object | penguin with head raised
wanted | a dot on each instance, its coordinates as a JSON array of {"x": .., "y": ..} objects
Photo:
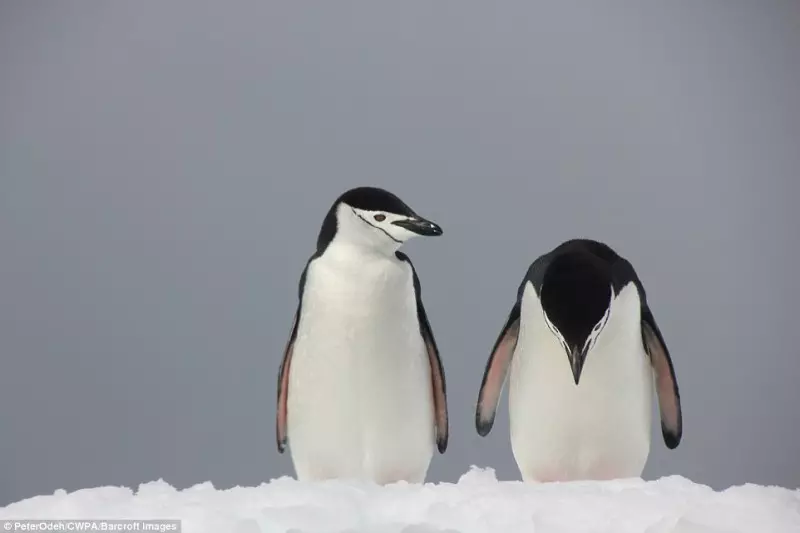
[
  {"x": 361, "y": 388},
  {"x": 583, "y": 354}
]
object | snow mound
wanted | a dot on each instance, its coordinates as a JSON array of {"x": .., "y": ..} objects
[{"x": 476, "y": 503}]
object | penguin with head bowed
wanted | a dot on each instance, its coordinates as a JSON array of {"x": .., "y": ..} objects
[
  {"x": 361, "y": 388},
  {"x": 583, "y": 355}
]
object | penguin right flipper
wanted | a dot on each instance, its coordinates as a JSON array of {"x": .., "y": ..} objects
[
  {"x": 283, "y": 372},
  {"x": 283, "y": 387},
  {"x": 494, "y": 376}
]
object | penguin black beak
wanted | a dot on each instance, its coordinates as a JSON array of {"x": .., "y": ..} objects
[
  {"x": 420, "y": 226},
  {"x": 577, "y": 356}
]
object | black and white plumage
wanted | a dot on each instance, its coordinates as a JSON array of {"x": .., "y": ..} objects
[
  {"x": 361, "y": 389},
  {"x": 584, "y": 354}
]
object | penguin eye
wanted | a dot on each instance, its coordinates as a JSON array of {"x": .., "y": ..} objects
[{"x": 379, "y": 217}]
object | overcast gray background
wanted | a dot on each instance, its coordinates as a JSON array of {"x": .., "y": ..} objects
[{"x": 165, "y": 166}]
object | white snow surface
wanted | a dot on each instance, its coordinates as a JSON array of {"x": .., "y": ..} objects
[{"x": 478, "y": 502}]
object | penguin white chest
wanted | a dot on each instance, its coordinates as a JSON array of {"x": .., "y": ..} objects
[
  {"x": 360, "y": 396},
  {"x": 598, "y": 429}
]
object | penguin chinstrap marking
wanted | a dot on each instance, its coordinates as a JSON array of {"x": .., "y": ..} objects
[
  {"x": 361, "y": 389},
  {"x": 584, "y": 354}
]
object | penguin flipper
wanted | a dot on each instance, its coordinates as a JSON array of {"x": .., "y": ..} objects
[
  {"x": 494, "y": 376},
  {"x": 283, "y": 388},
  {"x": 669, "y": 398},
  {"x": 438, "y": 385},
  {"x": 438, "y": 382}
]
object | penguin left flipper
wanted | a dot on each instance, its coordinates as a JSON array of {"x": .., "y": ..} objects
[
  {"x": 669, "y": 398},
  {"x": 438, "y": 382},
  {"x": 494, "y": 376}
]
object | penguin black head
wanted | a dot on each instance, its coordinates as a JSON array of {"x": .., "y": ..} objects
[
  {"x": 373, "y": 217},
  {"x": 576, "y": 290}
]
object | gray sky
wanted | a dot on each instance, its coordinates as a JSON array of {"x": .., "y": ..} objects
[{"x": 164, "y": 168}]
